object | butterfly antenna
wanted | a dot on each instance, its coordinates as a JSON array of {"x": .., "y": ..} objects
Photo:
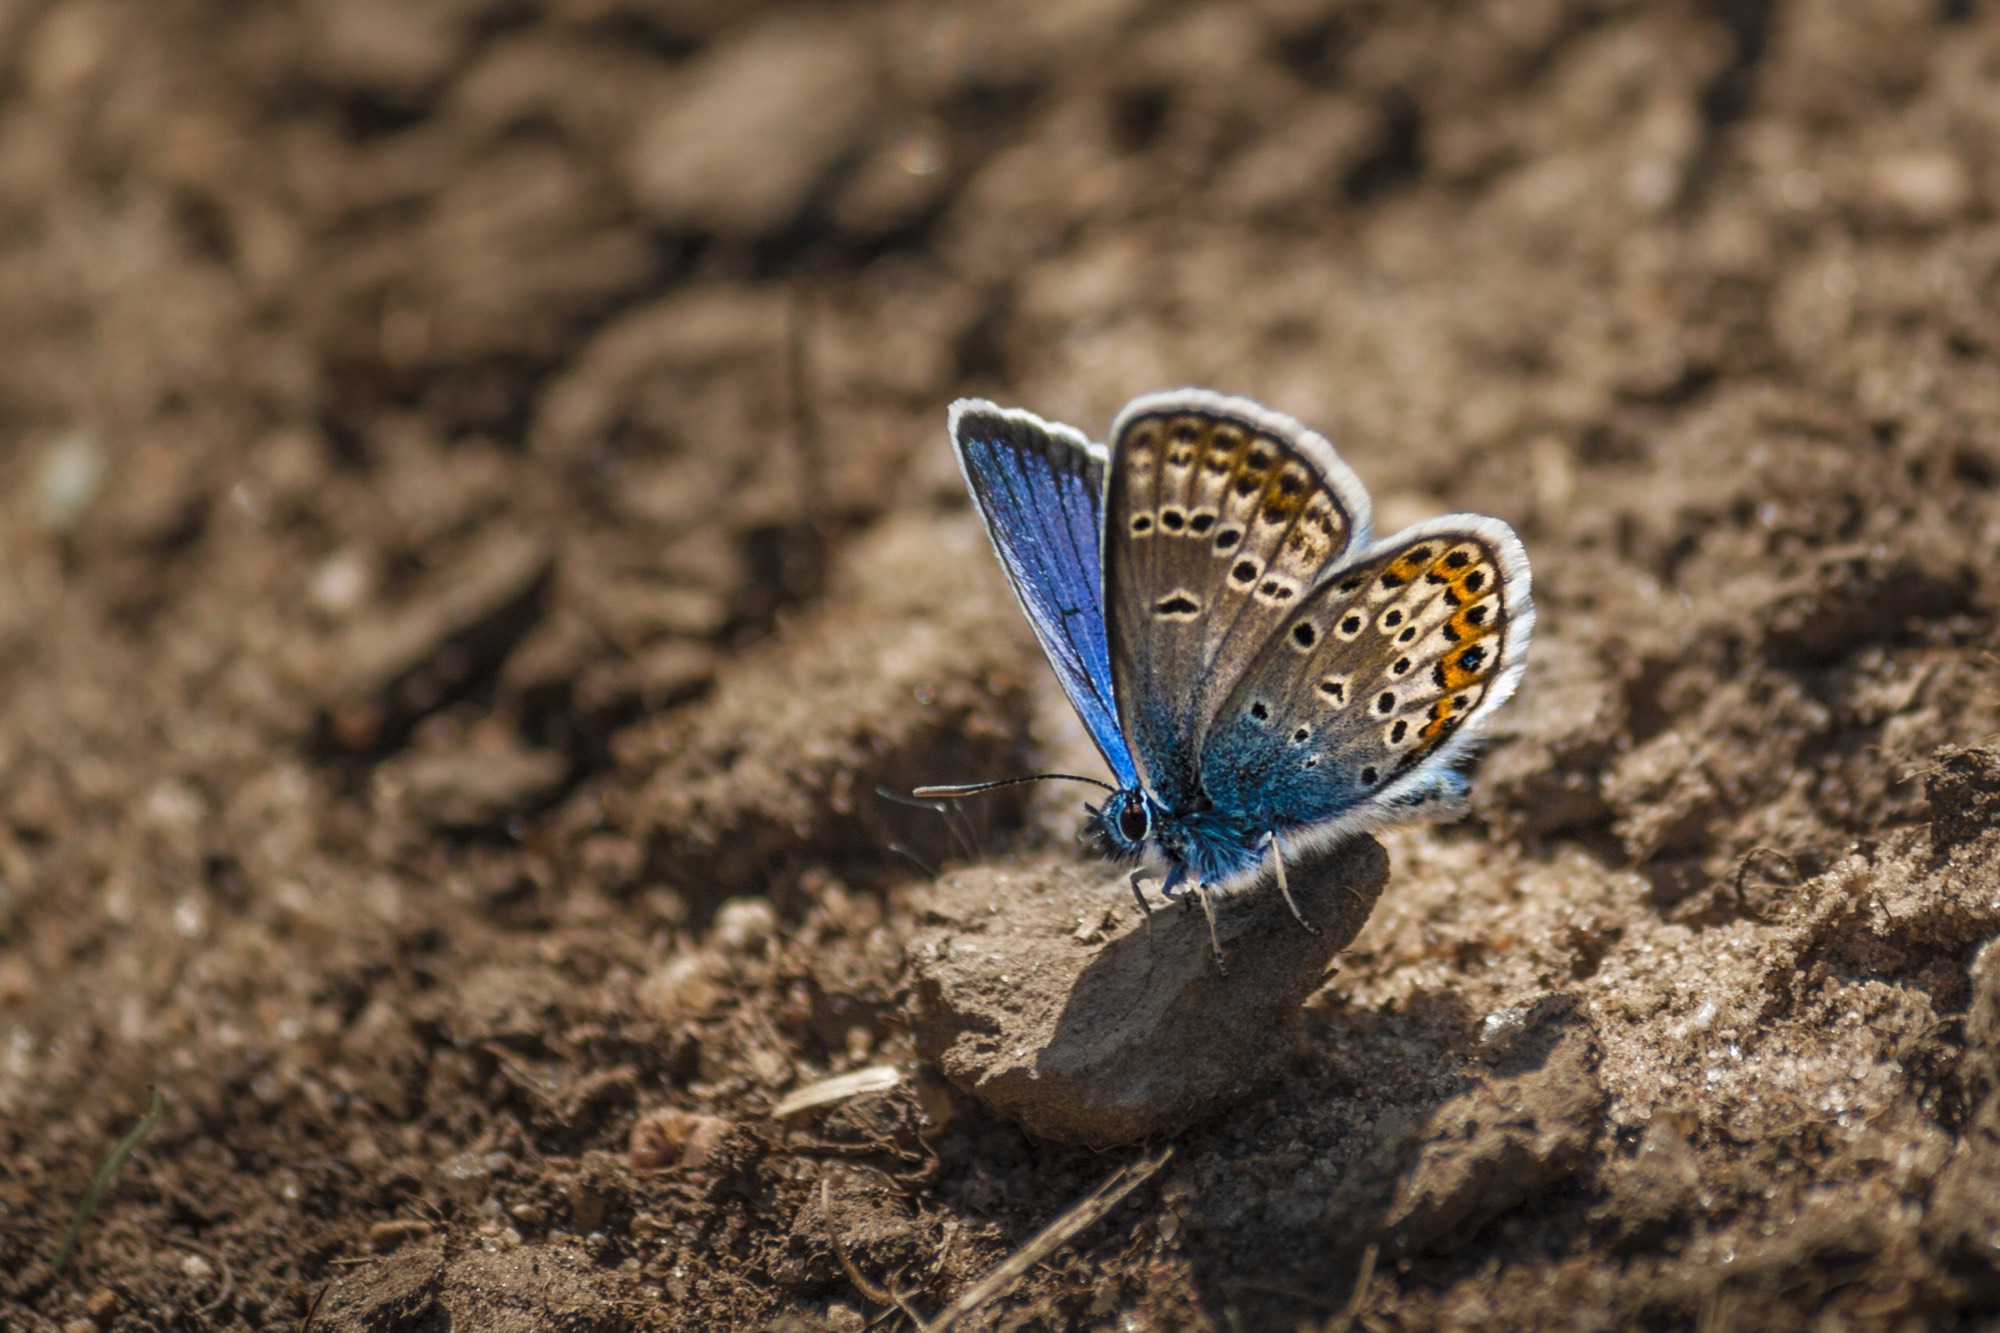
[{"x": 975, "y": 788}]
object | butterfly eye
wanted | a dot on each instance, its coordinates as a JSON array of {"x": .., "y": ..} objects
[{"x": 1135, "y": 822}]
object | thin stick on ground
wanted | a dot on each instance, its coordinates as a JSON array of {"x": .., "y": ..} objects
[
  {"x": 886, "y": 1296},
  {"x": 312, "y": 1311},
  {"x": 125, "y": 1148},
  {"x": 1358, "y": 1298},
  {"x": 879, "y": 1295},
  {"x": 1051, "y": 1238}
]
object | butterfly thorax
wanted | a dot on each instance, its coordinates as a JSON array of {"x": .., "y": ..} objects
[{"x": 1207, "y": 844}]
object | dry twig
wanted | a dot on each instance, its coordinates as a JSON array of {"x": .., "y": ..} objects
[
  {"x": 878, "y": 1294},
  {"x": 1051, "y": 1238}
]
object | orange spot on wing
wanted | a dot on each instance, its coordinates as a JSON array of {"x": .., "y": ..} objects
[
  {"x": 1464, "y": 631},
  {"x": 1455, "y": 671},
  {"x": 1408, "y": 570}
]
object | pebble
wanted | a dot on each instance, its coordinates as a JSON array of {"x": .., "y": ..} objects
[{"x": 668, "y": 1137}]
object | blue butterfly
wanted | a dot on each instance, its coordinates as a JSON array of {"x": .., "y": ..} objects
[{"x": 1259, "y": 677}]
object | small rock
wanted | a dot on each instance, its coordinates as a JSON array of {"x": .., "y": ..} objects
[
  {"x": 387, "y": 1237},
  {"x": 102, "y": 1307},
  {"x": 744, "y": 925},
  {"x": 69, "y": 478},
  {"x": 668, "y": 1137},
  {"x": 842, "y": 1318},
  {"x": 1131, "y": 1032},
  {"x": 679, "y": 989},
  {"x": 1927, "y": 188}
]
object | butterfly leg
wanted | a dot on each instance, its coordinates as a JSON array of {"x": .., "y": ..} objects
[
  {"x": 1176, "y": 876},
  {"x": 1139, "y": 894},
  {"x": 1278, "y": 859},
  {"x": 1208, "y": 910}
]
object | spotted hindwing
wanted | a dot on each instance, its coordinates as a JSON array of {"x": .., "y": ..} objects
[
  {"x": 1357, "y": 703},
  {"x": 1220, "y": 518}
]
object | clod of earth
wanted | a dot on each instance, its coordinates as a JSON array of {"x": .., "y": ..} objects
[
  {"x": 1042, "y": 992},
  {"x": 512, "y": 1290},
  {"x": 1508, "y": 1138},
  {"x": 1963, "y": 787}
]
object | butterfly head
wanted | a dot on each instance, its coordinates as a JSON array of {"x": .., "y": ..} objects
[{"x": 1120, "y": 828}]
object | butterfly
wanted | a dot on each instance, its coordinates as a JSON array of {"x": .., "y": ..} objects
[{"x": 1260, "y": 678}]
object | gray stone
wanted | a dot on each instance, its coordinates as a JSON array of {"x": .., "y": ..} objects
[{"x": 1042, "y": 992}]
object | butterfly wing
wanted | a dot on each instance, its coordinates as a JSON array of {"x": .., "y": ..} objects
[
  {"x": 1039, "y": 489},
  {"x": 1352, "y": 712},
  {"x": 1220, "y": 517}
]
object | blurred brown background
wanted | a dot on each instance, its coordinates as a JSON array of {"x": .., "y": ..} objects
[{"x": 476, "y": 527}]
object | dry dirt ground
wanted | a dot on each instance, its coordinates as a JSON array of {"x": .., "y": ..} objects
[{"x": 476, "y": 530}]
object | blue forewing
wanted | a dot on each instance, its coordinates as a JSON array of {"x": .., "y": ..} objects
[{"x": 1039, "y": 489}]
